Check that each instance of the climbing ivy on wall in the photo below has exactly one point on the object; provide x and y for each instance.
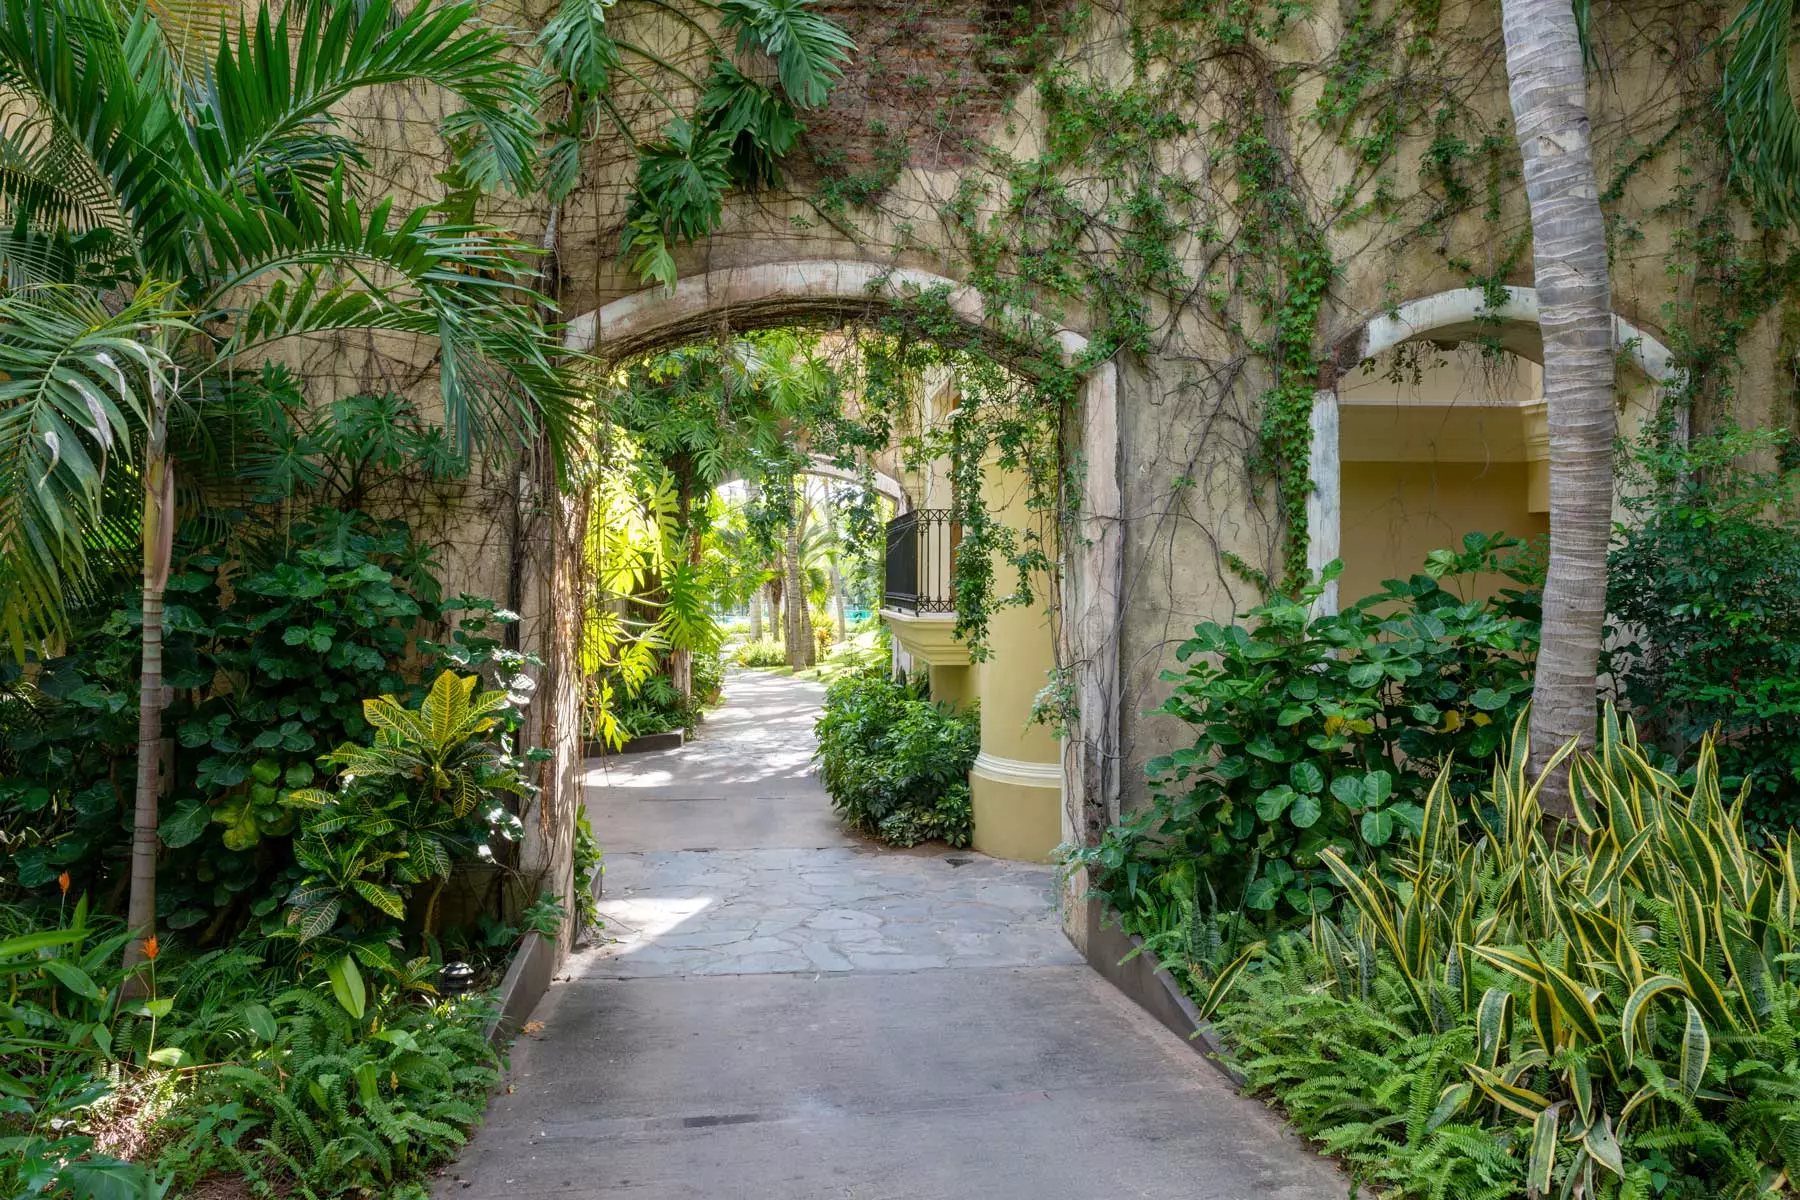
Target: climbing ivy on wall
(1209, 188)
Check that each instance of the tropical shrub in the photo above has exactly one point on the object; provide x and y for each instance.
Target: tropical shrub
(1313, 732)
(1707, 618)
(896, 764)
(1607, 1008)
(766, 653)
(707, 677)
(426, 794)
(269, 657)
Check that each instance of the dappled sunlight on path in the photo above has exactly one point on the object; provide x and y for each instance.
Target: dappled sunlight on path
(777, 1010)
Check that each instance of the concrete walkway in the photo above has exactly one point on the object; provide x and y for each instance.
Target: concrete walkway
(786, 1012)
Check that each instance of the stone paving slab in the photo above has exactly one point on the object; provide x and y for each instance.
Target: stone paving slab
(1020, 1083)
(732, 912)
(778, 1011)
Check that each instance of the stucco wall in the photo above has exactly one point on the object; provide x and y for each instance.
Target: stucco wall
(926, 87)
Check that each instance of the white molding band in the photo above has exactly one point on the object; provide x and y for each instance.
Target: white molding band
(1018, 772)
(1324, 520)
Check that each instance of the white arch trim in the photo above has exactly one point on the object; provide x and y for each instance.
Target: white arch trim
(1447, 316)
(1093, 569)
(1464, 312)
(656, 316)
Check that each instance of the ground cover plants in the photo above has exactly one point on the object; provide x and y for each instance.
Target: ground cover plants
(1604, 1008)
(896, 764)
(1315, 732)
(1482, 1002)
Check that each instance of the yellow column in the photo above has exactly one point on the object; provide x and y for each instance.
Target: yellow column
(1016, 784)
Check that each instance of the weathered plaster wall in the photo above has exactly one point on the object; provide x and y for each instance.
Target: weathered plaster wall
(919, 163)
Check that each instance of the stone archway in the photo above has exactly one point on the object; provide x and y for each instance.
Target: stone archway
(1446, 318)
(805, 292)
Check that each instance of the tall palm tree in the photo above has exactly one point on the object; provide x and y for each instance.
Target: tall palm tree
(1544, 65)
(170, 217)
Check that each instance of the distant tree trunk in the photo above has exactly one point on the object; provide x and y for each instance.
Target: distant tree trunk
(799, 638)
(756, 595)
(158, 534)
(777, 628)
(837, 576)
(1548, 85)
(837, 602)
(681, 658)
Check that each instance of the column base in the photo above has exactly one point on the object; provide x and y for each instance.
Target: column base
(1018, 807)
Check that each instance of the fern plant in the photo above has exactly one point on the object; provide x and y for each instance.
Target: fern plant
(340, 1105)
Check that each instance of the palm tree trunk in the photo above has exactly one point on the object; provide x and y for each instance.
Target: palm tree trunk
(837, 576)
(799, 643)
(1549, 101)
(756, 624)
(158, 533)
(837, 602)
(772, 592)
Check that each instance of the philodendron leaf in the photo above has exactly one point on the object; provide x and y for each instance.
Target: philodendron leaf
(347, 986)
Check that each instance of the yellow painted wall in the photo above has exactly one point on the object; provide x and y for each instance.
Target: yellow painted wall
(1014, 819)
(1395, 513)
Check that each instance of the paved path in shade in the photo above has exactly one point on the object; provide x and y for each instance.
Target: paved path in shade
(782, 1011)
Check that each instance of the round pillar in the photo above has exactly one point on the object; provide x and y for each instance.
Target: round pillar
(1016, 784)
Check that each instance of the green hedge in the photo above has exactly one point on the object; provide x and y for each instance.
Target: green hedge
(896, 764)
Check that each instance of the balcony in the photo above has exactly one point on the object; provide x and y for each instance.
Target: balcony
(921, 557)
(919, 597)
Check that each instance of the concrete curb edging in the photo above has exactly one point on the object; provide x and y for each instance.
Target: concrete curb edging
(643, 744)
(526, 981)
(1153, 989)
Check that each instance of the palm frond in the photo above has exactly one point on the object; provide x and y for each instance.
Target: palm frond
(266, 105)
(104, 93)
(809, 50)
(1761, 123)
(326, 265)
(74, 392)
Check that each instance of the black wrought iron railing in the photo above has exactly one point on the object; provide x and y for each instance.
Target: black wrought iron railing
(921, 556)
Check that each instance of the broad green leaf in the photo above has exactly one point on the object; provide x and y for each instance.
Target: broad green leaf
(1273, 802)
(1305, 810)
(1306, 777)
(185, 825)
(1377, 827)
(73, 978)
(261, 1021)
(347, 985)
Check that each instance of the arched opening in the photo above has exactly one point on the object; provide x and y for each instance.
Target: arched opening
(1432, 424)
(1032, 791)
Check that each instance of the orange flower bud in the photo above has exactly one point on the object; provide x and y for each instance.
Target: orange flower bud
(150, 947)
(62, 881)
